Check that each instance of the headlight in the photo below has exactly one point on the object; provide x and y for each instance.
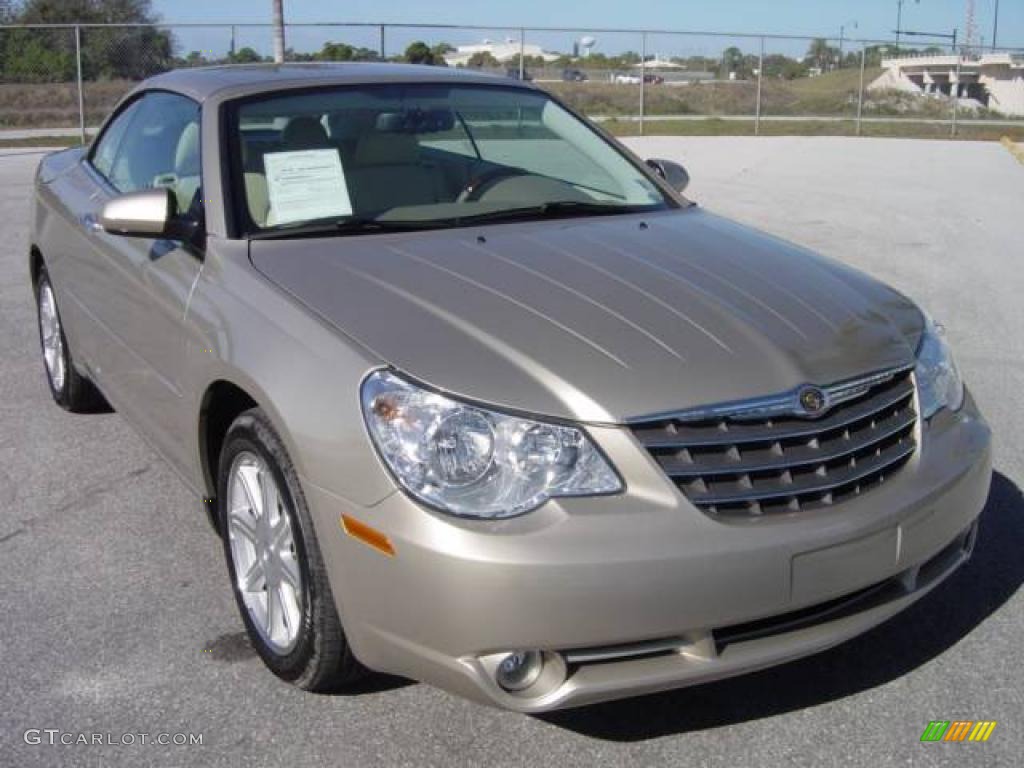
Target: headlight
(938, 380)
(475, 462)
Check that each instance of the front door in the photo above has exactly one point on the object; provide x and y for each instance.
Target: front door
(138, 288)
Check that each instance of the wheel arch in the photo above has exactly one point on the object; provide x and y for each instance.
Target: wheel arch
(35, 263)
(222, 402)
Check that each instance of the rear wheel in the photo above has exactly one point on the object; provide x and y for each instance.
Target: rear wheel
(70, 389)
(277, 573)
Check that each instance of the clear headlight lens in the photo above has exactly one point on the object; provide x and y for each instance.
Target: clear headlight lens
(938, 380)
(475, 462)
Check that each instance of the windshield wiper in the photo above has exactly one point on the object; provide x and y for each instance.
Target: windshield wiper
(364, 225)
(351, 225)
(552, 209)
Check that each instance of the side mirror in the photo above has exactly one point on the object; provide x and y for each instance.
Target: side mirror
(673, 173)
(150, 213)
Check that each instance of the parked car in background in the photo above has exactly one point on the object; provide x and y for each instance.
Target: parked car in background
(573, 75)
(654, 79)
(475, 396)
(515, 74)
(626, 79)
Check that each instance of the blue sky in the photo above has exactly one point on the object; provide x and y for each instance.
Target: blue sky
(875, 19)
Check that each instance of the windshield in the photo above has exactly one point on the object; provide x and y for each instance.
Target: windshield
(377, 157)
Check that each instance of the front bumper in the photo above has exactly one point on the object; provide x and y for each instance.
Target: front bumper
(641, 592)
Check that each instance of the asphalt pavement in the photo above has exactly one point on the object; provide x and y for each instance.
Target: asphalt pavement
(117, 619)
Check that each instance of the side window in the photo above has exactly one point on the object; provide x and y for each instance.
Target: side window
(105, 153)
(159, 148)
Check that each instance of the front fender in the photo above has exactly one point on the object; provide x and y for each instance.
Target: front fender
(302, 372)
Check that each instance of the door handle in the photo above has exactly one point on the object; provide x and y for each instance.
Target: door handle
(91, 223)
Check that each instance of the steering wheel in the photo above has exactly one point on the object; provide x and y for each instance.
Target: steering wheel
(476, 186)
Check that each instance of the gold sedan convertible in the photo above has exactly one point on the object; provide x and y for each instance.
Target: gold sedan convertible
(475, 396)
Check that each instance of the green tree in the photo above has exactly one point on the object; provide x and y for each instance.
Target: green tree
(336, 52)
(37, 56)
(732, 61)
(195, 59)
(42, 55)
(874, 54)
(345, 52)
(290, 54)
(440, 50)
(420, 53)
(821, 55)
(783, 67)
(245, 55)
(483, 59)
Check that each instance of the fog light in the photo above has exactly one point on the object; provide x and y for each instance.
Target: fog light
(519, 670)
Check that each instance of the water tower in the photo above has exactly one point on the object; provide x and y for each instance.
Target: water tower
(585, 44)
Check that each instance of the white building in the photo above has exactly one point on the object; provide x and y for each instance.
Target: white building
(996, 80)
(503, 52)
(658, 63)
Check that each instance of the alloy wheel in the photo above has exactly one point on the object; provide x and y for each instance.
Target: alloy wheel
(264, 553)
(52, 337)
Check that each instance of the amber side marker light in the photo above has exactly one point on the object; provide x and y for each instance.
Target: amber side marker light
(367, 534)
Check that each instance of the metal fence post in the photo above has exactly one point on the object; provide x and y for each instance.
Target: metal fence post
(955, 93)
(522, 54)
(383, 56)
(81, 93)
(860, 92)
(760, 74)
(643, 79)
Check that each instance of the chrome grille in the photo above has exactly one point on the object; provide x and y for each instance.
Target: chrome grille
(757, 459)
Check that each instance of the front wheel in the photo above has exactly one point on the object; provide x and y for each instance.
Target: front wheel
(71, 391)
(276, 569)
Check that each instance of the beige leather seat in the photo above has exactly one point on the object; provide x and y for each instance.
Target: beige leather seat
(304, 133)
(187, 167)
(347, 127)
(258, 198)
(300, 133)
(256, 195)
(387, 172)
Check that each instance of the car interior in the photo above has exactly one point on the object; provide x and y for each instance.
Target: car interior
(393, 160)
(163, 152)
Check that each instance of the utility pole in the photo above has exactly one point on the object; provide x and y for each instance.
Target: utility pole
(842, 34)
(81, 92)
(760, 73)
(972, 28)
(279, 31)
(860, 92)
(643, 79)
(995, 27)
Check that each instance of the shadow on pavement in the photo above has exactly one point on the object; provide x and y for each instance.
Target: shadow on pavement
(375, 682)
(925, 630)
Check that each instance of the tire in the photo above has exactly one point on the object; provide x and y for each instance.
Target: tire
(70, 390)
(306, 645)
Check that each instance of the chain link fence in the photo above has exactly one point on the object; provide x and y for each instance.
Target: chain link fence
(65, 79)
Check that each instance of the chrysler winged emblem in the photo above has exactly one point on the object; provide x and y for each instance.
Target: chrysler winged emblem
(813, 401)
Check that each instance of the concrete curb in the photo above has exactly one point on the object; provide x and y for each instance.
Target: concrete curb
(1016, 150)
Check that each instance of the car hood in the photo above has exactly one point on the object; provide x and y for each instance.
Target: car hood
(600, 319)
